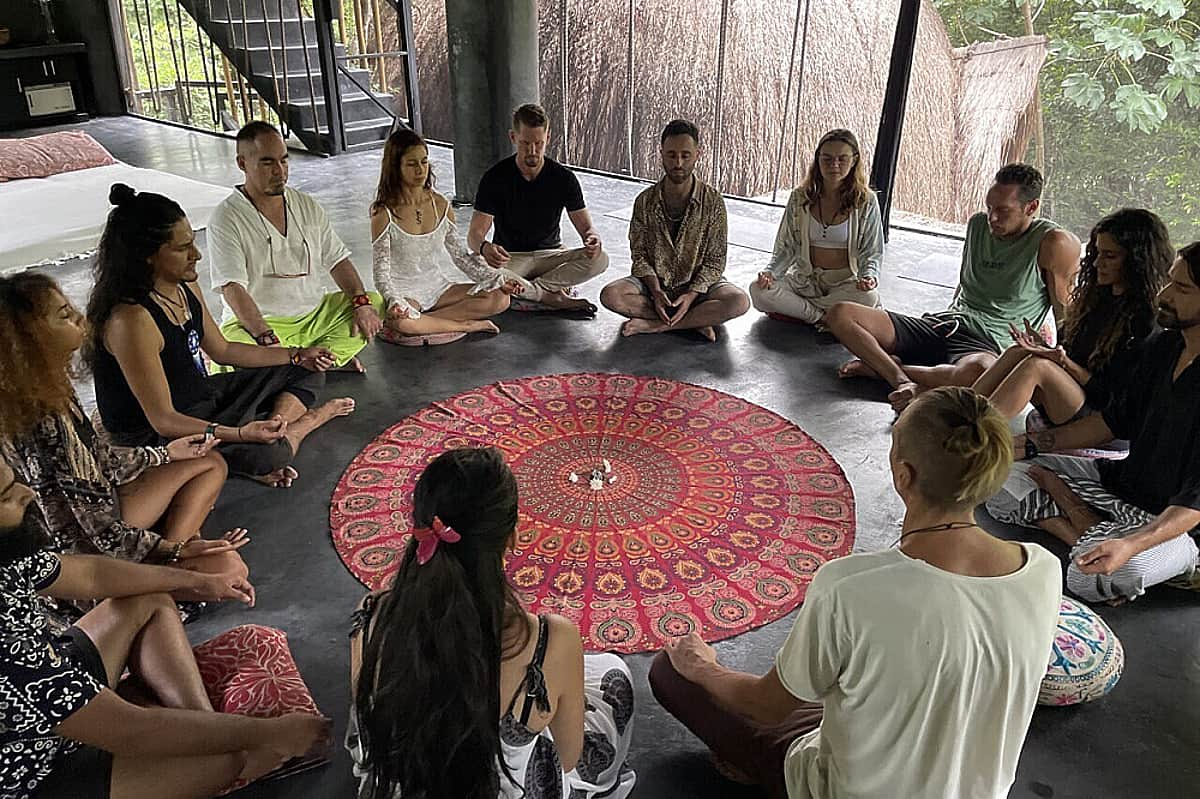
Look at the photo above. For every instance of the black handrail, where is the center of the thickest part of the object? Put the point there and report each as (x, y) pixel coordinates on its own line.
(370, 94)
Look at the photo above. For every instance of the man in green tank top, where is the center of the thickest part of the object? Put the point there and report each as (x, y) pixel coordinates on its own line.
(1015, 268)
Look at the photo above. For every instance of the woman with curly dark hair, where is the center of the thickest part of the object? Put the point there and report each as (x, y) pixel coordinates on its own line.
(150, 330)
(1111, 312)
(144, 504)
(458, 690)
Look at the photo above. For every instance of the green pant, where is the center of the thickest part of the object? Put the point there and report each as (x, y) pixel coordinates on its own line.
(329, 325)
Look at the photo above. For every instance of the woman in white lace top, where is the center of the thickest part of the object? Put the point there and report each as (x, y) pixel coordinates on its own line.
(435, 291)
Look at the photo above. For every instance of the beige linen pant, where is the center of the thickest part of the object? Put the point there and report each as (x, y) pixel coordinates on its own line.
(808, 297)
(544, 271)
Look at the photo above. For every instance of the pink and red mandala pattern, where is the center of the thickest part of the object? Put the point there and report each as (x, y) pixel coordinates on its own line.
(650, 508)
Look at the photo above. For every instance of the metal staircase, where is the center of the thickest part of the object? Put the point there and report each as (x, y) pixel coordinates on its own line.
(279, 50)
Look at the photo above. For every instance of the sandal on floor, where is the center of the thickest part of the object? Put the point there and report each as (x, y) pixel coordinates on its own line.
(428, 340)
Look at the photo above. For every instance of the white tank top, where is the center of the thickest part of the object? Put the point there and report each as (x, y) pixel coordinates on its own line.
(834, 237)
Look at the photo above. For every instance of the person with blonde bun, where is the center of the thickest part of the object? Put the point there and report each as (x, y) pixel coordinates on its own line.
(909, 672)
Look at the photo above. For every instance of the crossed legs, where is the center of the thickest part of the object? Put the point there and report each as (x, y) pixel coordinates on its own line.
(456, 311)
(145, 634)
(719, 305)
(1018, 378)
(870, 334)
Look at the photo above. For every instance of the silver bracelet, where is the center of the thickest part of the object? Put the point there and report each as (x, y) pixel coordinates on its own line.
(164, 457)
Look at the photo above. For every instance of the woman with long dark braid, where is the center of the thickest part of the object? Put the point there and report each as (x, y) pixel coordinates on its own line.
(1111, 312)
(150, 330)
(458, 691)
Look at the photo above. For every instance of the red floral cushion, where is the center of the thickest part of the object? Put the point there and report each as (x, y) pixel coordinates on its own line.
(50, 154)
(249, 671)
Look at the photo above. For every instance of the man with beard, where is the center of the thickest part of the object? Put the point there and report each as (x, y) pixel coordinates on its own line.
(1016, 268)
(64, 731)
(1129, 522)
(677, 237)
(524, 197)
(279, 265)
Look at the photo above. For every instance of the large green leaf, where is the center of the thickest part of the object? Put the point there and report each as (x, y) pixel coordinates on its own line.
(1083, 90)
(1138, 108)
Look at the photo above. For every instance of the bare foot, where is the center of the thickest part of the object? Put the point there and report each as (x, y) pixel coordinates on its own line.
(904, 394)
(856, 367)
(635, 326)
(280, 478)
(561, 302)
(709, 333)
(1078, 513)
(342, 406)
(483, 326)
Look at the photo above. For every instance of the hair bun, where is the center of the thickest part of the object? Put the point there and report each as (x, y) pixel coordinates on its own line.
(120, 194)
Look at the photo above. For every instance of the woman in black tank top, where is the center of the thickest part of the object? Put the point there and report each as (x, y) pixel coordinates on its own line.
(430, 656)
(146, 267)
(1111, 313)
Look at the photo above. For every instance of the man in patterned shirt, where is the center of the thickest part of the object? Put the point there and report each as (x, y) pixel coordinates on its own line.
(677, 238)
(63, 731)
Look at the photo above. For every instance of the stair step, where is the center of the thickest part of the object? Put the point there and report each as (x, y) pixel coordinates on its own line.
(355, 109)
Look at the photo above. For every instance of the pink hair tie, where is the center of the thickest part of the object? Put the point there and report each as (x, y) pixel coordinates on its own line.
(428, 539)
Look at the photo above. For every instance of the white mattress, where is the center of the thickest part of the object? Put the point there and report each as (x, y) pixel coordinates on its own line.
(49, 220)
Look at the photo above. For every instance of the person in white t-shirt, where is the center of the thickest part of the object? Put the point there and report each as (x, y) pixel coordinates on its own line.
(911, 672)
(285, 276)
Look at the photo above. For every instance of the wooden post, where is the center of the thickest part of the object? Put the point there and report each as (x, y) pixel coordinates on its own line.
(1035, 105)
(233, 105)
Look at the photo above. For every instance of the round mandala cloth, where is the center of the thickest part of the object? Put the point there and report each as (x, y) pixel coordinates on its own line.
(649, 508)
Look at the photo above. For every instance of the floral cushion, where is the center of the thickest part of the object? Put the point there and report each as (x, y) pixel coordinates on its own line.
(1086, 658)
(249, 671)
(50, 154)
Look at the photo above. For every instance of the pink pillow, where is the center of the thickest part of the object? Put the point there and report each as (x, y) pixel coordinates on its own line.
(249, 671)
(50, 154)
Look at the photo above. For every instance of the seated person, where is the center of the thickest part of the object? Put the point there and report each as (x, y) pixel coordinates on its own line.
(524, 196)
(1110, 315)
(149, 332)
(92, 498)
(1015, 266)
(273, 254)
(928, 657)
(65, 733)
(1129, 522)
(433, 289)
(449, 654)
(830, 242)
(677, 237)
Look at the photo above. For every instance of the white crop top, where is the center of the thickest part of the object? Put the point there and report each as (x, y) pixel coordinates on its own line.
(834, 237)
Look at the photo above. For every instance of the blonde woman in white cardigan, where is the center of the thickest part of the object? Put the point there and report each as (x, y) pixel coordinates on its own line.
(830, 241)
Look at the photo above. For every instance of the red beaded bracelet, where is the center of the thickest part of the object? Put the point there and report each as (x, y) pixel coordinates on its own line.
(361, 300)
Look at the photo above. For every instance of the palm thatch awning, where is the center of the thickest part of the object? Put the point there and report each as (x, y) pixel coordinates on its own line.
(964, 115)
(997, 82)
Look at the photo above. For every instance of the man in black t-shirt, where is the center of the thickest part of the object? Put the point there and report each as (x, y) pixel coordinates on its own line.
(524, 196)
(1130, 523)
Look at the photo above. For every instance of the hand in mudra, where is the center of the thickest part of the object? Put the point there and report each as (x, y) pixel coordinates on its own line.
(366, 322)
(191, 447)
(513, 287)
(199, 547)
(765, 280)
(317, 359)
(1032, 342)
(263, 432)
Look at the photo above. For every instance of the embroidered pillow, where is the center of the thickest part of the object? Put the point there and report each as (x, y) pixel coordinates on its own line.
(1086, 658)
(249, 671)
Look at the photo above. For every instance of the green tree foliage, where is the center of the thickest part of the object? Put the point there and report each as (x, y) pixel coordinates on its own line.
(1121, 99)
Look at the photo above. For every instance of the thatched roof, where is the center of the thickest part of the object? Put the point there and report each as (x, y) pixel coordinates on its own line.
(997, 83)
(841, 84)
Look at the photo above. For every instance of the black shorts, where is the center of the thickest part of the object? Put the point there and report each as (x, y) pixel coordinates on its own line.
(939, 338)
(85, 773)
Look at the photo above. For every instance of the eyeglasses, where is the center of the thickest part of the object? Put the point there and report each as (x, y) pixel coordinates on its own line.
(280, 243)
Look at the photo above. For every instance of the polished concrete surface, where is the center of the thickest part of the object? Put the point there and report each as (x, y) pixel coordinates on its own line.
(1139, 742)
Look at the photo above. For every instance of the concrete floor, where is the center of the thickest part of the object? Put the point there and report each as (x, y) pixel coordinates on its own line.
(1139, 742)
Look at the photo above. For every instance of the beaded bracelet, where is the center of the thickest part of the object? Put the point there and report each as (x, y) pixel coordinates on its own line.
(294, 356)
(361, 301)
(267, 338)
